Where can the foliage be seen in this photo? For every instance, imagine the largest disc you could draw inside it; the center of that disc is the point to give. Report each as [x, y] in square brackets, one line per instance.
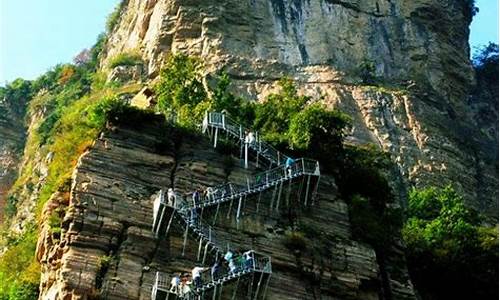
[272, 117]
[485, 61]
[95, 52]
[362, 183]
[10, 206]
[223, 100]
[104, 264]
[131, 58]
[55, 222]
[180, 90]
[17, 94]
[318, 131]
[114, 17]
[19, 271]
[366, 71]
[295, 241]
[470, 8]
[445, 239]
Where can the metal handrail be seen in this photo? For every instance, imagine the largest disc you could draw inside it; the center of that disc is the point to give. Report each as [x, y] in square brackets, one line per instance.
[220, 120]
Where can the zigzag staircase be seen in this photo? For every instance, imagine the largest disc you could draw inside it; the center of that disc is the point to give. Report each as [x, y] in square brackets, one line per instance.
[184, 212]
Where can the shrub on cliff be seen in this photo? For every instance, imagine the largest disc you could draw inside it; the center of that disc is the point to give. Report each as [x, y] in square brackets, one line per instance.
[19, 272]
[180, 90]
[114, 17]
[319, 132]
[131, 58]
[450, 254]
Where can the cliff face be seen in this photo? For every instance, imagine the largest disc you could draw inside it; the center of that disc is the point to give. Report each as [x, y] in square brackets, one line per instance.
[12, 133]
[417, 48]
[109, 212]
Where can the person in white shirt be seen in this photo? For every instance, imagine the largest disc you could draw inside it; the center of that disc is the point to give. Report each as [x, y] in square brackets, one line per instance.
[250, 138]
[175, 284]
[171, 197]
[248, 259]
[196, 274]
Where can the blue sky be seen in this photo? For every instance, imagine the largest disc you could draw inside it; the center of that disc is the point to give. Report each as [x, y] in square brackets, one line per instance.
[37, 34]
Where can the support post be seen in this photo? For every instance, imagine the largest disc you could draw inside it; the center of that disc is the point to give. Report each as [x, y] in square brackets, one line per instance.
[239, 209]
[169, 223]
[216, 214]
[199, 249]
[246, 155]
[267, 285]
[258, 286]
[279, 196]
[215, 138]
[205, 253]
[185, 239]
[307, 189]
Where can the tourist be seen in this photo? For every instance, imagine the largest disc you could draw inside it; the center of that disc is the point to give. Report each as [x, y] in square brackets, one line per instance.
[209, 193]
[248, 259]
[196, 274]
[249, 138]
[196, 197]
[185, 288]
[215, 270]
[171, 197]
[175, 284]
[288, 166]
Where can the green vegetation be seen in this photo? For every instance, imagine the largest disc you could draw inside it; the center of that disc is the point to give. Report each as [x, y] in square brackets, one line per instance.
[485, 62]
[19, 271]
[451, 255]
[180, 91]
[295, 241]
[75, 103]
[131, 58]
[366, 71]
[114, 17]
[286, 119]
[373, 219]
[104, 264]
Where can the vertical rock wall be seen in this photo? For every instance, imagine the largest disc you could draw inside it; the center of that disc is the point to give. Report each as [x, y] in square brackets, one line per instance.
[106, 248]
[418, 48]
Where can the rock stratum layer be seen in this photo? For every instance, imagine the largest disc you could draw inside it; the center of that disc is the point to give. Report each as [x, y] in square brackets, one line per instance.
[418, 48]
[110, 212]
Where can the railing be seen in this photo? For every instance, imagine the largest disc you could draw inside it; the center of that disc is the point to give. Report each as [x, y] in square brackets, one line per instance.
[220, 120]
[261, 181]
[240, 266]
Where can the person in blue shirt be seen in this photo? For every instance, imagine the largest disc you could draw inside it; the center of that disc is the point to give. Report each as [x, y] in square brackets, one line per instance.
[288, 166]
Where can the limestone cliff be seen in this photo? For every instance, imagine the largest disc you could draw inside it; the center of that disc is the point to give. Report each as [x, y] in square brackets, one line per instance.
[108, 217]
[12, 133]
[417, 48]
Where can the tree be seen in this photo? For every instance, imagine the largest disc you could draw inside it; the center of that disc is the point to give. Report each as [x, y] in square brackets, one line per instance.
[319, 132]
[273, 116]
[82, 58]
[180, 89]
[485, 61]
[450, 254]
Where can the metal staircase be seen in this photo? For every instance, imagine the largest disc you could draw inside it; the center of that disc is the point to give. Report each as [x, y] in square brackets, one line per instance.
[259, 265]
[183, 212]
[257, 271]
[215, 121]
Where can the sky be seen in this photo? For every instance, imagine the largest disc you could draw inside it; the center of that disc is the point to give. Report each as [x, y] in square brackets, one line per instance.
[38, 34]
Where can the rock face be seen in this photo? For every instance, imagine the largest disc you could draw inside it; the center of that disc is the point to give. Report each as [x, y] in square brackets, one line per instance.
[420, 48]
[106, 248]
[12, 134]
